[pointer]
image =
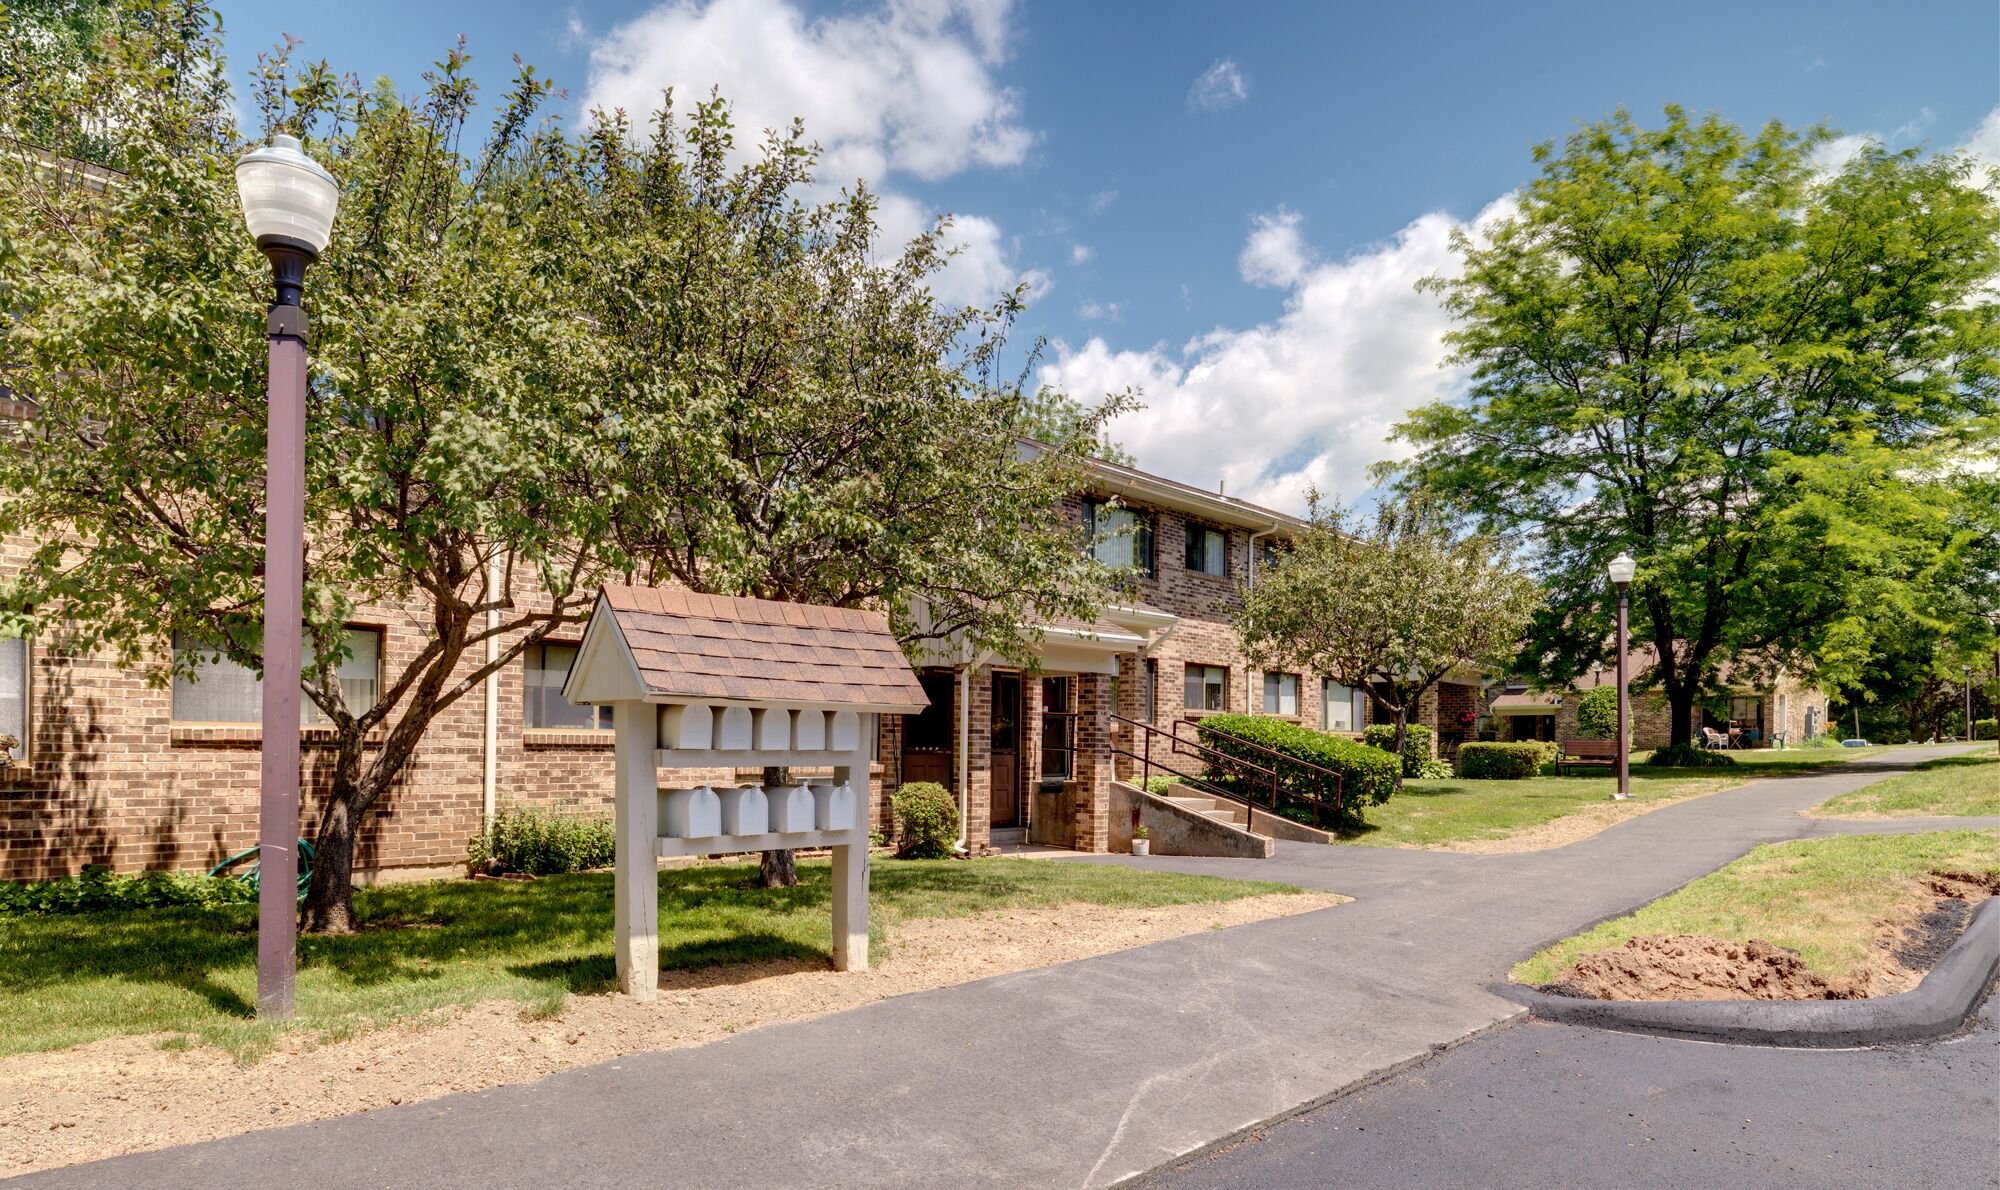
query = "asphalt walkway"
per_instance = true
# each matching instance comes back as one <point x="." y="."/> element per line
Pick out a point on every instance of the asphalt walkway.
<point x="1077" y="1075"/>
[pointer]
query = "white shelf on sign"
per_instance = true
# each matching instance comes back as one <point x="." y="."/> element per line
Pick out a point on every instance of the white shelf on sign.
<point x="746" y="758"/>
<point x="728" y="844"/>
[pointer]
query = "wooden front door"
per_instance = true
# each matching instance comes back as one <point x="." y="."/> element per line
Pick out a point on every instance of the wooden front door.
<point x="927" y="737"/>
<point x="1006" y="738"/>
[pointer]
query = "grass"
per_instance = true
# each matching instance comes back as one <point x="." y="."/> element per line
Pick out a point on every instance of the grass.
<point x="1454" y="810"/>
<point x="1966" y="786"/>
<point x="1820" y="897"/>
<point x="65" y="980"/>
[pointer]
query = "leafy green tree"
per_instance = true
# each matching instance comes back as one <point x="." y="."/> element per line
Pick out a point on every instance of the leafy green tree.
<point x="537" y="365"/>
<point x="1392" y="606"/>
<point x="1689" y="344"/>
<point x="1597" y="713"/>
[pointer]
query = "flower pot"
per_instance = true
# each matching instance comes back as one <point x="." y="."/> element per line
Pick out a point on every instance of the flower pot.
<point x="1142" y="847"/>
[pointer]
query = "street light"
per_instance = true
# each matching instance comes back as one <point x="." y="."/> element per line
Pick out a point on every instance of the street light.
<point x="288" y="202"/>
<point x="1622" y="568"/>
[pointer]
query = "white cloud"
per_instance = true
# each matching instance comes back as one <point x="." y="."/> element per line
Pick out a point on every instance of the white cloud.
<point x="903" y="87"/>
<point x="1080" y="253"/>
<point x="1305" y="400"/>
<point x="1095" y="311"/>
<point x="1102" y="200"/>
<point x="1983" y="142"/>
<point x="1220" y="86"/>
<point x="908" y="86"/>
<point x="1276" y="254"/>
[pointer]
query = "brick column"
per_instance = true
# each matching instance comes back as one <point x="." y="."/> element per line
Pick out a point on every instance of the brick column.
<point x="979" y="760"/>
<point x="1093" y="762"/>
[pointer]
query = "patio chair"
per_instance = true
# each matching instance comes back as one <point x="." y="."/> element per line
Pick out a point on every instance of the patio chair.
<point x="1711" y="738"/>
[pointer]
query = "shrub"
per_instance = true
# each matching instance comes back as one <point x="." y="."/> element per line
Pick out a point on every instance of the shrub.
<point x="1435" y="769"/>
<point x="1687" y="756"/>
<point x="1821" y="741"/>
<point x="1597" y="713"/>
<point x="1985" y="729"/>
<point x="1367" y="775"/>
<point x="1157" y="786"/>
<point x="1417" y="747"/>
<point x="543" y="841"/>
<point x="1501" y="762"/>
<point x="98" y="891"/>
<point x="926" y="820"/>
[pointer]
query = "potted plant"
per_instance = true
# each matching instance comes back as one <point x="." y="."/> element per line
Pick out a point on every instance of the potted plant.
<point x="1142" y="842"/>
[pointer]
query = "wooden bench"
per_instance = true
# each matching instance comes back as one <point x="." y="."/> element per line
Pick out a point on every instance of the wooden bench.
<point x="1587" y="754"/>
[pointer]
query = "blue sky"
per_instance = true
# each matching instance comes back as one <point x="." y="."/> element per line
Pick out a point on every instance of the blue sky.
<point x="1225" y="204"/>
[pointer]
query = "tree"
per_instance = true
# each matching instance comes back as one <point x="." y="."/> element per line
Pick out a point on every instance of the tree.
<point x="1691" y="345"/>
<point x="801" y="422"/>
<point x="1597" y="713"/>
<point x="1391" y="606"/>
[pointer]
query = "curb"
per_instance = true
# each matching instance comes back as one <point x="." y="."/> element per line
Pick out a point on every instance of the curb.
<point x="1937" y="1007"/>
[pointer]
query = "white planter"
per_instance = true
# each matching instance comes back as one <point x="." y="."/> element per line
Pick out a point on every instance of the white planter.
<point x="792" y="809"/>
<point x="833" y="806"/>
<point x="1142" y="847"/>
<point x="745" y="810"/>
<point x="690" y="813"/>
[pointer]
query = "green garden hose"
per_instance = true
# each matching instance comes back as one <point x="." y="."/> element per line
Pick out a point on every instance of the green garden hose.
<point x="254" y="876"/>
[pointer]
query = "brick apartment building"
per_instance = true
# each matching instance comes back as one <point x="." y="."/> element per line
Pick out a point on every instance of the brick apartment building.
<point x="1770" y="711"/>
<point x="113" y="770"/>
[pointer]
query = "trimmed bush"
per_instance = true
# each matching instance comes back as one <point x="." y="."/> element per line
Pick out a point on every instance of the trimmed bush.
<point x="95" y="892"/>
<point x="1985" y="729"/>
<point x="1687" y="756"/>
<point x="1597" y="713"/>
<point x="1501" y="762"/>
<point x="1417" y="746"/>
<point x="1157" y="786"/>
<point x="1367" y="775"/>
<point x="1821" y="741"/>
<point x="543" y="841"/>
<point x="926" y="820"/>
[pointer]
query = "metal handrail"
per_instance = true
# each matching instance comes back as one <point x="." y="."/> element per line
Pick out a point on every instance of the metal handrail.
<point x="1326" y="774"/>
<point x="1180" y="745"/>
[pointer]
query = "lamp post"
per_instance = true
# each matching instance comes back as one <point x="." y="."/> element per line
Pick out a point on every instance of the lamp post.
<point x="1621" y="569"/>
<point x="288" y="203"/>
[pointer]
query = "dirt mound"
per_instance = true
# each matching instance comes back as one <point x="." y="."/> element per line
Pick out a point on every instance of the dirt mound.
<point x="1965" y="886"/>
<point x="1692" y="967"/>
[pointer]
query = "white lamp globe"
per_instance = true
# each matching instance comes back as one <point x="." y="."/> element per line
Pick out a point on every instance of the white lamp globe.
<point x="288" y="198"/>
<point x="1622" y="568"/>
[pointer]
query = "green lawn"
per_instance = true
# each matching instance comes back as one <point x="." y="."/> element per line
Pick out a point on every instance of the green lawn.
<point x="1965" y="786"/>
<point x="1820" y="897"/>
<point x="65" y="980"/>
<point x="1453" y="810"/>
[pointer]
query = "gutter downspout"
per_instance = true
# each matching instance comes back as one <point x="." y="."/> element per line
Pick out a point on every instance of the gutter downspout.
<point x="965" y="749"/>
<point x="1252" y="584"/>
<point x="489" y="777"/>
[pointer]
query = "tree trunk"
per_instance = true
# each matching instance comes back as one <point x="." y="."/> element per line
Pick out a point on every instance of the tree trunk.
<point x="1396" y="746"/>
<point x="329" y="907"/>
<point x="1680" y="708"/>
<point x="777" y="869"/>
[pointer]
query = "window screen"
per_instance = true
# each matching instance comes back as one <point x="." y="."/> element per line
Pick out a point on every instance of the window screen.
<point x="1119" y="537"/>
<point x="1281" y="694"/>
<point x="543" y="704"/>
<point x="221" y="691"/>
<point x="1342" y="708"/>
<point x="1207" y="549"/>
<point x="1207" y="688"/>
<point x="14" y="694"/>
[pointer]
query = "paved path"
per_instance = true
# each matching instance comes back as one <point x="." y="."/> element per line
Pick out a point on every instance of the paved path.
<point x="1077" y="1075"/>
<point x="1536" y="1105"/>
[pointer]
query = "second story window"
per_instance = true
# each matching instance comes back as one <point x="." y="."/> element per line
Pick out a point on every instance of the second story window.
<point x="1119" y="537"/>
<point x="1281" y="694"/>
<point x="546" y="667"/>
<point x="1207" y="550"/>
<point x="1207" y="688"/>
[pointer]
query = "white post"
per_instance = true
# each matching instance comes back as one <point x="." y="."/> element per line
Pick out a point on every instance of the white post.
<point x="636" y="870"/>
<point x="850" y="863"/>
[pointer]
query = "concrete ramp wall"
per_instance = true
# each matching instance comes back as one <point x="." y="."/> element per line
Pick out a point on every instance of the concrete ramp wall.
<point x="1175" y="829"/>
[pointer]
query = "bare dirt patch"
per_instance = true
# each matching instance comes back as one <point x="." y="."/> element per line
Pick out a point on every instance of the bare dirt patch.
<point x="130" y="1094"/>
<point x="1696" y="967"/>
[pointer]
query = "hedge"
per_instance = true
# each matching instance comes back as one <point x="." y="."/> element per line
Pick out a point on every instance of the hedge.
<point x="1687" y="756"/>
<point x="1368" y="775"/>
<point x="926" y="820"/>
<point x="543" y="841"/>
<point x="1417" y="746"/>
<point x="1985" y="729"/>
<point x="1500" y="762"/>
<point x="98" y="891"/>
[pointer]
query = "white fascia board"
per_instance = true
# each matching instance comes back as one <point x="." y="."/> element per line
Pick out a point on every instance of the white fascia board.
<point x="605" y="670"/>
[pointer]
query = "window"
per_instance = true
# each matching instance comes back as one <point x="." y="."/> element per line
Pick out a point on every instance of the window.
<point x="1058" y="731"/>
<point x="1340" y="707"/>
<point x="1149" y="691"/>
<point x="542" y="702"/>
<point x="1269" y="554"/>
<point x="1747" y="712"/>
<point x="1281" y="694"/>
<point x="1119" y="537"/>
<point x="14" y="696"/>
<point x="221" y="691"/>
<point x="1207" y="549"/>
<point x="1207" y="688"/>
